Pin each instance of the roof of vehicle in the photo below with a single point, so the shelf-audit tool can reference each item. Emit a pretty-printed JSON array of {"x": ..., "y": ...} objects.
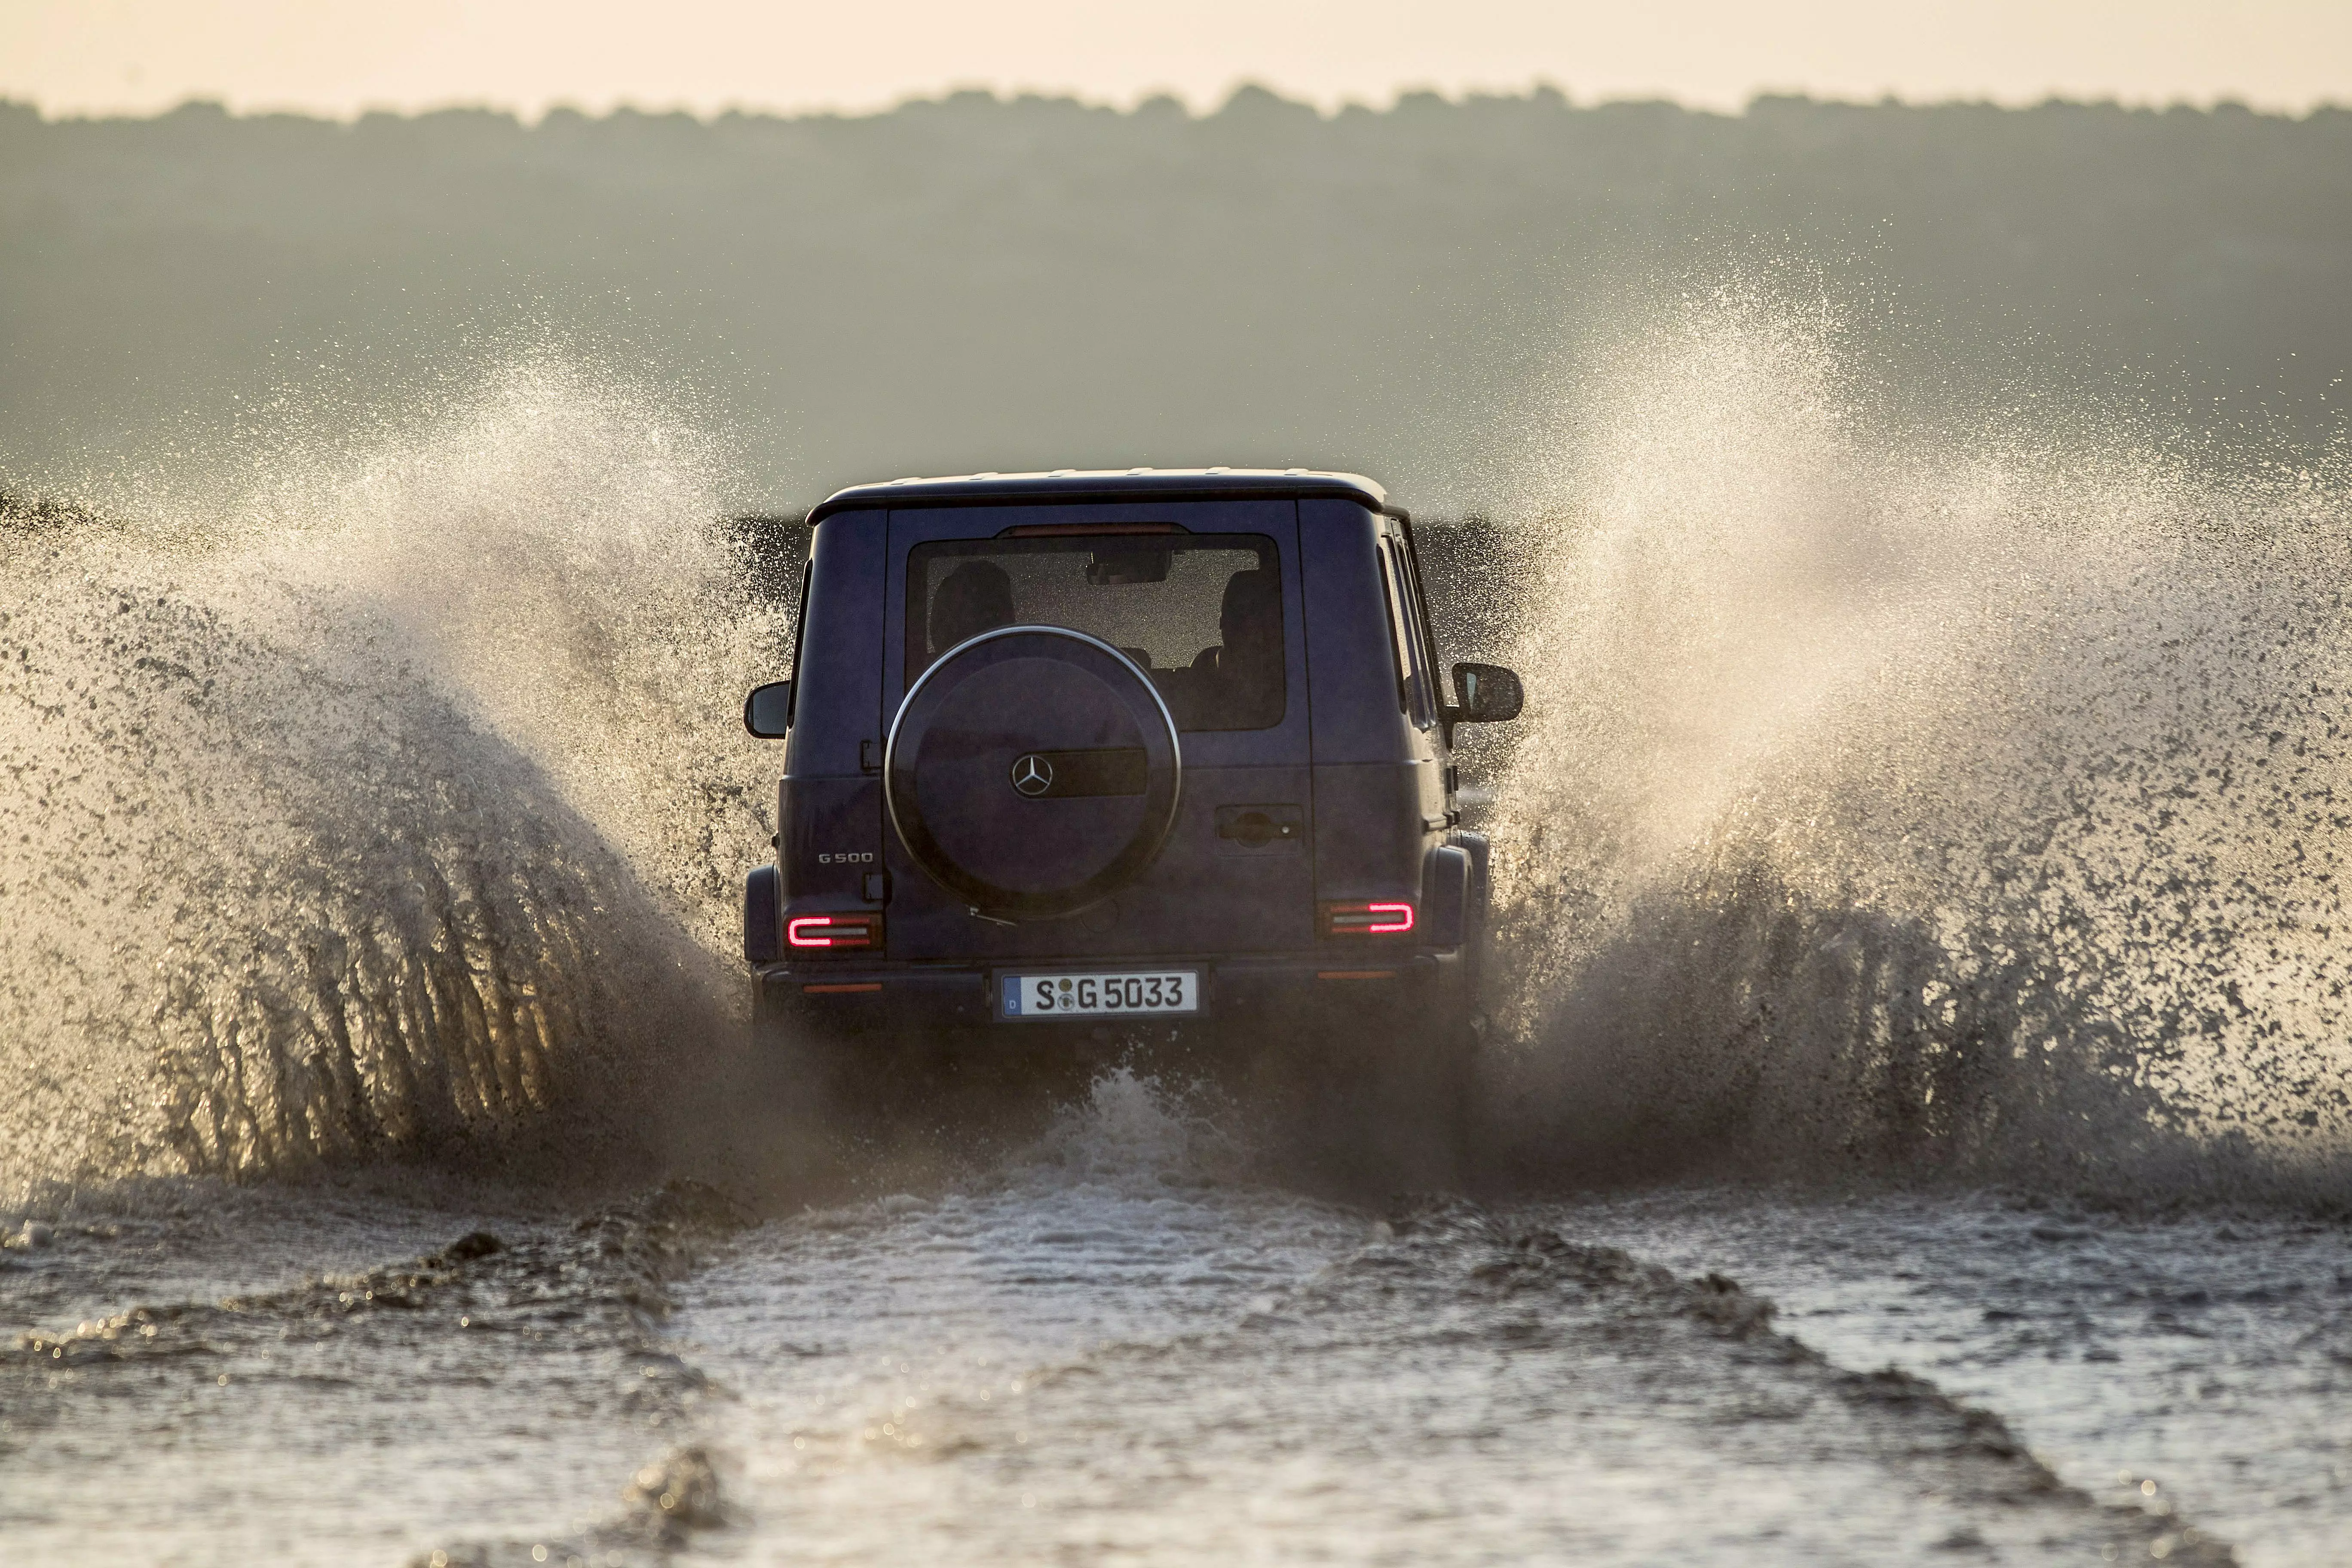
[{"x": 1109, "y": 485}]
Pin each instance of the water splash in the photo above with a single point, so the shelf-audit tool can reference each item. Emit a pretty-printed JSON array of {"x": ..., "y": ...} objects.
[
  {"x": 1890, "y": 800},
  {"x": 1134, "y": 1128},
  {"x": 1898, "y": 800},
  {"x": 546, "y": 550},
  {"x": 379, "y": 802}
]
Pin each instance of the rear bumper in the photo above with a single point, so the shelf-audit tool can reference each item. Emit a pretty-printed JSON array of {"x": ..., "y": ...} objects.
[{"x": 1234, "y": 990}]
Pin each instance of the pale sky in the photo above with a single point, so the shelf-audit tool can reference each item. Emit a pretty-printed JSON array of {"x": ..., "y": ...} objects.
[{"x": 340, "y": 57}]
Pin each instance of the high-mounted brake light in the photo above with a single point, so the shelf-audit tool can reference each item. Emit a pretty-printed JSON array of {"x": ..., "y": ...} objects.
[
  {"x": 1367, "y": 919},
  {"x": 806, "y": 932},
  {"x": 1064, "y": 530}
]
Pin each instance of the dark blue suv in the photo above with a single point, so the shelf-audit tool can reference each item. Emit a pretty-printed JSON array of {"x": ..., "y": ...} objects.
[{"x": 1086, "y": 748}]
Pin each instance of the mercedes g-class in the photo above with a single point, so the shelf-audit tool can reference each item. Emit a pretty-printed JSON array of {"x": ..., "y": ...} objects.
[{"x": 1081, "y": 748}]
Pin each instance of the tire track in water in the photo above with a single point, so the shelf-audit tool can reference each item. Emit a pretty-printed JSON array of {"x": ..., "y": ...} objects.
[
  {"x": 496, "y": 1379},
  {"x": 1121, "y": 1346},
  {"x": 1116, "y": 1342}
]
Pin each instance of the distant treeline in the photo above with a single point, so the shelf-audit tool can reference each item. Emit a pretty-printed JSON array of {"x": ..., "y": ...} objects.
[{"x": 988, "y": 284}]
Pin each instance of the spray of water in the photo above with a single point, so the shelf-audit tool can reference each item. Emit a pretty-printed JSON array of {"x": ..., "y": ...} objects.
[
  {"x": 1895, "y": 800},
  {"x": 383, "y": 800},
  {"x": 1889, "y": 800}
]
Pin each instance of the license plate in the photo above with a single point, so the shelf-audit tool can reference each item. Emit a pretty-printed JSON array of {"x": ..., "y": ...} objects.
[{"x": 1023, "y": 997}]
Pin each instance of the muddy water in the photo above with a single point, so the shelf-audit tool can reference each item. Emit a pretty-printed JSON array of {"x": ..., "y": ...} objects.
[
  {"x": 332, "y": 1378},
  {"x": 1111, "y": 1356},
  {"x": 2195, "y": 1366},
  {"x": 1912, "y": 1118},
  {"x": 1121, "y": 1341}
]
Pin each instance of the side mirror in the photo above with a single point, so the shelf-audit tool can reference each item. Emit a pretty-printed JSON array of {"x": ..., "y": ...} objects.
[
  {"x": 1486, "y": 694},
  {"x": 768, "y": 712}
]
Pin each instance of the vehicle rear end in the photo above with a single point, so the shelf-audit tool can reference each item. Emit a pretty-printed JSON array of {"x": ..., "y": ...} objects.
[{"x": 1068, "y": 759}]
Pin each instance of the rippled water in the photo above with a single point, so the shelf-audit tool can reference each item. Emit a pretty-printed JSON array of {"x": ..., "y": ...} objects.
[
  {"x": 1118, "y": 1342},
  {"x": 1921, "y": 916},
  {"x": 2191, "y": 1365},
  {"x": 325, "y": 1374}
]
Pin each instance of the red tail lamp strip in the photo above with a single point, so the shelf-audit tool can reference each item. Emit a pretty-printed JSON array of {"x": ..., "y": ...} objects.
[
  {"x": 859, "y": 987},
  {"x": 804, "y": 932},
  {"x": 1367, "y": 919}
]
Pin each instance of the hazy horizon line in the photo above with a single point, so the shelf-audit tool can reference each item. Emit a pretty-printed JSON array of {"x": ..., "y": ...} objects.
[{"x": 1162, "y": 102}]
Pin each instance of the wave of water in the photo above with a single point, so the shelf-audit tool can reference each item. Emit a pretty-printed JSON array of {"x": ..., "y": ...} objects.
[
  {"x": 381, "y": 800},
  {"x": 1893, "y": 800},
  {"x": 1888, "y": 800}
]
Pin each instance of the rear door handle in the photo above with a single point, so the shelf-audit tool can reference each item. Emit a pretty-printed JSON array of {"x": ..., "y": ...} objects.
[{"x": 1253, "y": 825}]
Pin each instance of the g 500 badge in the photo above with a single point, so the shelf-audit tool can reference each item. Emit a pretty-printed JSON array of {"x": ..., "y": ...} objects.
[{"x": 847, "y": 858}]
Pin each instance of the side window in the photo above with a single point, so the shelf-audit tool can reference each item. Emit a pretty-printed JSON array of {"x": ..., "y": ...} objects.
[
  {"x": 1425, "y": 635},
  {"x": 1412, "y": 675},
  {"x": 802, "y": 744},
  {"x": 800, "y": 632}
]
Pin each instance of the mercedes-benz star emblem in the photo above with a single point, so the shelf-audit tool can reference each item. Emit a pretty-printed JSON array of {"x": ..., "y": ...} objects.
[{"x": 1032, "y": 775}]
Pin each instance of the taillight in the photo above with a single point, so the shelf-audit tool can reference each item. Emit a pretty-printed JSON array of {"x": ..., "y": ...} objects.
[
  {"x": 804, "y": 932},
  {"x": 1367, "y": 919}
]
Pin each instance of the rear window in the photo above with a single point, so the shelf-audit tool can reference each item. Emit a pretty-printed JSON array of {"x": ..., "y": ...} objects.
[{"x": 1201, "y": 613}]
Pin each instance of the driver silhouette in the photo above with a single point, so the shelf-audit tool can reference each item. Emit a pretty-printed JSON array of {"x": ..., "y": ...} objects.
[
  {"x": 975, "y": 597},
  {"x": 1249, "y": 665}
]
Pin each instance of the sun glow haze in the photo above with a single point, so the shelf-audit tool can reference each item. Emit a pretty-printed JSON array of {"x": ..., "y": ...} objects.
[{"x": 344, "y": 57}]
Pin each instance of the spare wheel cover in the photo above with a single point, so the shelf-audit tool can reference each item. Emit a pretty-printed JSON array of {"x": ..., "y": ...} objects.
[{"x": 1032, "y": 771}]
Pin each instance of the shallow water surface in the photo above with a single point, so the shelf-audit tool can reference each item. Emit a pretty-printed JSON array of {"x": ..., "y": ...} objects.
[{"x": 1116, "y": 1342}]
